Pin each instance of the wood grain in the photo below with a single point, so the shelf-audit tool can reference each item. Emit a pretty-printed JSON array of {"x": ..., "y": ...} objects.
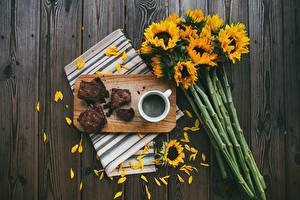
[{"x": 137, "y": 84}]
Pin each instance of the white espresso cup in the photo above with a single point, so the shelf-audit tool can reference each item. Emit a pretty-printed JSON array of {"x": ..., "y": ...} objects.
[{"x": 154, "y": 105}]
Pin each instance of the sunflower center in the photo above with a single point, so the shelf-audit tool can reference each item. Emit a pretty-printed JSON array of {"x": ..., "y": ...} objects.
[
  {"x": 182, "y": 27},
  {"x": 184, "y": 72},
  {"x": 199, "y": 50},
  {"x": 232, "y": 43},
  {"x": 173, "y": 153},
  {"x": 165, "y": 36}
]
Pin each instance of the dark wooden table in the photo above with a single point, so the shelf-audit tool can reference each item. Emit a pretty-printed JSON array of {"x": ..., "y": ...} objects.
[{"x": 38, "y": 38}]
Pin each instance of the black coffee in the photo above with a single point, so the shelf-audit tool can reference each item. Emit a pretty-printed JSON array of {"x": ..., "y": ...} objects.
[{"x": 153, "y": 105}]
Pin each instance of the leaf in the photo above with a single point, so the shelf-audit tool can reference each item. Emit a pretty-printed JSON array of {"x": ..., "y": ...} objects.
[
  {"x": 157, "y": 182},
  {"x": 118, "y": 67},
  {"x": 101, "y": 176},
  {"x": 180, "y": 178},
  {"x": 44, "y": 137},
  {"x": 79, "y": 63},
  {"x": 81, "y": 186},
  {"x": 188, "y": 113},
  {"x": 38, "y": 106},
  {"x": 190, "y": 180},
  {"x": 118, "y": 194},
  {"x": 203, "y": 156},
  {"x": 147, "y": 192},
  {"x": 144, "y": 178},
  {"x": 68, "y": 120},
  {"x": 58, "y": 96},
  {"x": 124, "y": 56},
  {"x": 74, "y": 148},
  {"x": 72, "y": 173},
  {"x": 185, "y": 137},
  {"x": 122, "y": 180}
]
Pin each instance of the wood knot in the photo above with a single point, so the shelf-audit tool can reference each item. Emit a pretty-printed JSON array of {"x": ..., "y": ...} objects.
[{"x": 8, "y": 71}]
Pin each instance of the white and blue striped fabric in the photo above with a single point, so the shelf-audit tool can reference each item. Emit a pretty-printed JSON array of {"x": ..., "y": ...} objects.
[{"x": 114, "y": 149}]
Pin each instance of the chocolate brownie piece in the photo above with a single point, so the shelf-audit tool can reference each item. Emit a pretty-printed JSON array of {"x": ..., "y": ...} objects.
[
  {"x": 92, "y": 119},
  {"x": 125, "y": 114},
  {"x": 120, "y": 97},
  {"x": 94, "y": 91}
]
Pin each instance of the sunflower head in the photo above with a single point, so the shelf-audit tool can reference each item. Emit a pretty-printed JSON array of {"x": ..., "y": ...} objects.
[
  {"x": 186, "y": 32},
  {"x": 234, "y": 41},
  {"x": 172, "y": 153},
  {"x": 201, "y": 52},
  {"x": 145, "y": 48},
  {"x": 214, "y": 22},
  {"x": 164, "y": 34},
  {"x": 195, "y": 16},
  {"x": 174, "y": 18},
  {"x": 185, "y": 73},
  {"x": 156, "y": 66}
]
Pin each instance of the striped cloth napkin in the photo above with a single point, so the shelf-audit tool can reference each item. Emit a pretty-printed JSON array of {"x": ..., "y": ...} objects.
[{"x": 114, "y": 149}]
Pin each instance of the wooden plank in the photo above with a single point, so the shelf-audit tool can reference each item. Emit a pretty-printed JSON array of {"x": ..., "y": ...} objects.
[
  {"x": 60, "y": 43},
  {"x": 267, "y": 87},
  {"x": 291, "y": 41},
  {"x": 99, "y": 19},
  {"x": 139, "y": 14},
  {"x": 138, "y": 85},
  {"x": 18, "y": 95}
]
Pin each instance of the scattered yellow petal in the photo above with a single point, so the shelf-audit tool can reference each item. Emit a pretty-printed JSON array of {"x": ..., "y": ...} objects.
[
  {"x": 58, "y": 96},
  {"x": 186, "y": 171},
  {"x": 125, "y": 67},
  {"x": 74, "y": 148},
  {"x": 204, "y": 164},
  {"x": 96, "y": 172},
  {"x": 141, "y": 135},
  {"x": 118, "y": 194},
  {"x": 197, "y": 123},
  {"x": 79, "y": 63},
  {"x": 122, "y": 180},
  {"x": 45, "y": 137},
  {"x": 188, "y": 113},
  {"x": 193, "y": 156},
  {"x": 112, "y": 51},
  {"x": 81, "y": 186},
  {"x": 190, "y": 180},
  {"x": 144, "y": 178},
  {"x": 111, "y": 178},
  {"x": 101, "y": 176},
  {"x": 120, "y": 166},
  {"x": 38, "y": 106},
  {"x": 118, "y": 67},
  {"x": 163, "y": 181},
  {"x": 193, "y": 150},
  {"x": 147, "y": 192},
  {"x": 157, "y": 182},
  {"x": 124, "y": 172},
  {"x": 180, "y": 178},
  {"x": 103, "y": 73},
  {"x": 186, "y": 128},
  {"x": 67, "y": 106},
  {"x": 97, "y": 157},
  {"x": 80, "y": 148},
  {"x": 187, "y": 147},
  {"x": 185, "y": 137},
  {"x": 68, "y": 120},
  {"x": 72, "y": 173},
  {"x": 194, "y": 129},
  {"x": 203, "y": 156},
  {"x": 124, "y": 56},
  {"x": 129, "y": 40}
]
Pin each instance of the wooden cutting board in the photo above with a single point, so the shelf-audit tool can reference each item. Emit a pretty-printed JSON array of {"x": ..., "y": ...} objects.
[{"x": 138, "y": 84}]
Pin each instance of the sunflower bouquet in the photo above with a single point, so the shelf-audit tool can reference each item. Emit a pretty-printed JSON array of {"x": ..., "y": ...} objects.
[{"x": 191, "y": 50}]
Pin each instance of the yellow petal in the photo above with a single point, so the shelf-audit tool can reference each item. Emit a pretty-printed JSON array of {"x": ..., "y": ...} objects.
[
  {"x": 111, "y": 178},
  {"x": 193, "y": 150},
  {"x": 124, "y": 56},
  {"x": 112, "y": 51},
  {"x": 187, "y": 147},
  {"x": 192, "y": 157},
  {"x": 157, "y": 182},
  {"x": 124, "y": 172},
  {"x": 74, "y": 148},
  {"x": 103, "y": 73},
  {"x": 80, "y": 149},
  {"x": 188, "y": 113},
  {"x": 163, "y": 181},
  {"x": 96, "y": 172},
  {"x": 81, "y": 186},
  {"x": 118, "y": 67},
  {"x": 186, "y": 128},
  {"x": 38, "y": 106},
  {"x": 125, "y": 67},
  {"x": 67, "y": 106},
  {"x": 197, "y": 123},
  {"x": 58, "y": 96},
  {"x": 122, "y": 180},
  {"x": 190, "y": 180},
  {"x": 101, "y": 176},
  {"x": 144, "y": 178},
  {"x": 185, "y": 137},
  {"x": 147, "y": 192},
  {"x": 180, "y": 178},
  {"x": 68, "y": 120},
  {"x": 72, "y": 173},
  {"x": 203, "y": 156},
  {"x": 79, "y": 63},
  {"x": 44, "y": 137},
  {"x": 120, "y": 166},
  {"x": 194, "y": 129},
  {"x": 118, "y": 194},
  {"x": 204, "y": 164}
]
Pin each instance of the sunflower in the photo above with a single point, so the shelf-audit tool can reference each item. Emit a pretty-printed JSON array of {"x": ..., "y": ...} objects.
[
  {"x": 234, "y": 41},
  {"x": 156, "y": 66},
  {"x": 214, "y": 22},
  {"x": 185, "y": 73},
  {"x": 172, "y": 153},
  {"x": 174, "y": 18},
  {"x": 145, "y": 48},
  {"x": 164, "y": 34},
  {"x": 186, "y": 32},
  {"x": 201, "y": 52},
  {"x": 196, "y": 16}
]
